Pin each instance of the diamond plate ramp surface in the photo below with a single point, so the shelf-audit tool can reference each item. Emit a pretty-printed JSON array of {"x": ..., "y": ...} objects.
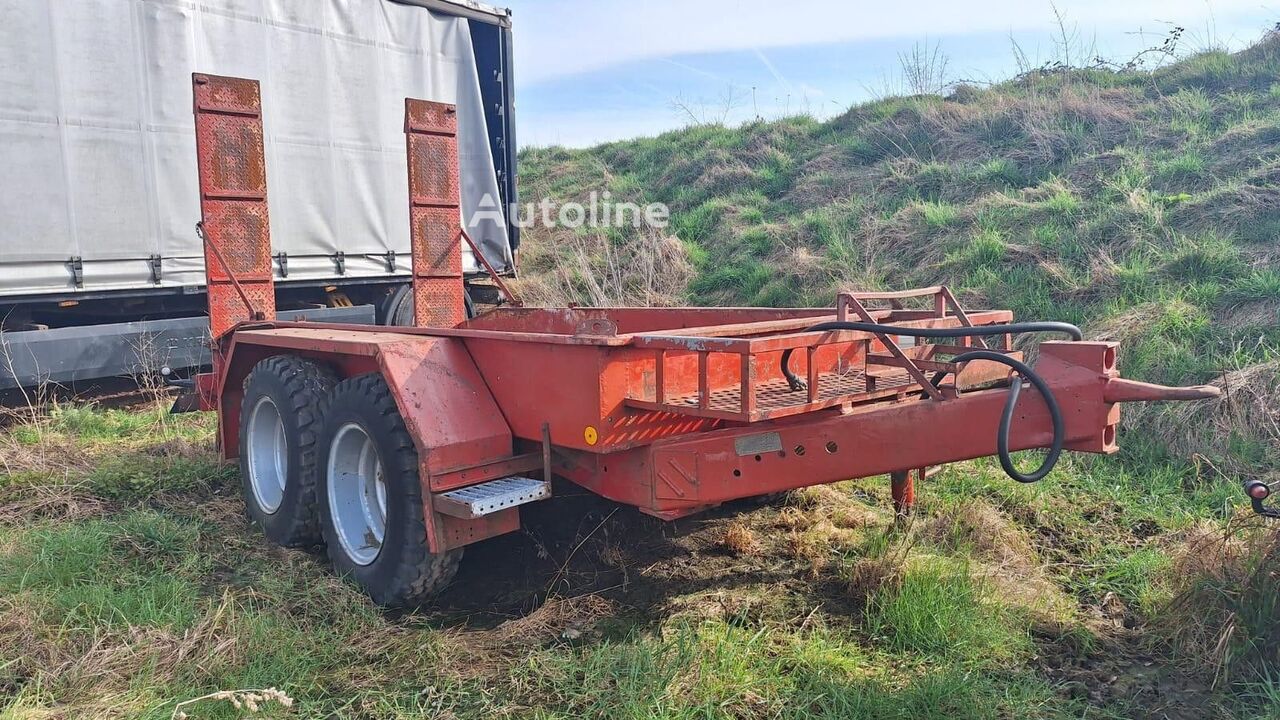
[
  {"x": 233, "y": 200},
  {"x": 431, "y": 133}
]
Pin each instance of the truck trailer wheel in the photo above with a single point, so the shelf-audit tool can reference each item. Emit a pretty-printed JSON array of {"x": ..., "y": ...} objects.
[
  {"x": 371, "y": 514},
  {"x": 279, "y": 427},
  {"x": 397, "y": 308}
]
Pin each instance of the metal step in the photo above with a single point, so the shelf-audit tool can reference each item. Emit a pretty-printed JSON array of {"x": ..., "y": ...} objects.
[{"x": 486, "y": 498}]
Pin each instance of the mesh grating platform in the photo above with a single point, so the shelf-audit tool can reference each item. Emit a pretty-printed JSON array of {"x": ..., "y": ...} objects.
[
  {"x": 490, "y": 497},
  {"x": 774, "y": 398}
]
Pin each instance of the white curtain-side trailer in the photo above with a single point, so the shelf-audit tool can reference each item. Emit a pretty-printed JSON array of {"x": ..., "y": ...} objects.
[{"x": 101, "y": 269}]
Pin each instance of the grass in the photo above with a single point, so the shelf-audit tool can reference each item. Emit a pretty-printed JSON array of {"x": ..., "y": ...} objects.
[
  {"x": 939, "y": 215},
  {"x": 125, "y": 603}
]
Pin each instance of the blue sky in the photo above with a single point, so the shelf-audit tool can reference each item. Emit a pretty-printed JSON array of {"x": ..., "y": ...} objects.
[{"x": 589, "y": 71}]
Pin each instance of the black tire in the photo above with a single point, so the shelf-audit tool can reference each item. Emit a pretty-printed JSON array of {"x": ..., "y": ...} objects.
[
  {"x": 404, "y": 572},
  {"x": 397, "y": 309},
  {"x": 298, "y": 389}
]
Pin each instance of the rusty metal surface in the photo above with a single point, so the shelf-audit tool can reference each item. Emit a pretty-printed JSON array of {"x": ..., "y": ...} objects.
[
  {"x": 748, "y": 341},
  {"x": 865, "y": 366},
  {"x": 902, "y": 485},
  {"x": 847, "y": 300},
  {"x": 774, "y": 399},
  {"x": 1122, "y": 390},
  {"x": 445, "y": 403},
  {"x": 233, "y": 200},
  {"x": 436, "y": 301},
  {"x": 431, "y": 134},
  {"x": 454, "y": 423},
  {"x": 673, "y": 436},
  {"x": 706, "y": 468}
]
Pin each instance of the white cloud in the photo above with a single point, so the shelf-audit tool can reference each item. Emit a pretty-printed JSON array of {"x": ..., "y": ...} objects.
[{"x": 556, "y": 38}]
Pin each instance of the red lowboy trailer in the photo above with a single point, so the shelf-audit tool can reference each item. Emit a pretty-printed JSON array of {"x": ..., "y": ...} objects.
[{"x": 397, "y": 448}]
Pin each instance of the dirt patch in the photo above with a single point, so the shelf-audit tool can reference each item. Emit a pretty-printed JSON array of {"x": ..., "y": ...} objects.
[
  {"x": 557, "y": 619},
  {"x": 1121, "y": 674},
  {"x": 579, "y": 544}
]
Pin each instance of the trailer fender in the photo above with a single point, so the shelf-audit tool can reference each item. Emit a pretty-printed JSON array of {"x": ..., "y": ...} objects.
[
  {"x": 455, "y": 423},
  {"x": 446, "y": 405}
]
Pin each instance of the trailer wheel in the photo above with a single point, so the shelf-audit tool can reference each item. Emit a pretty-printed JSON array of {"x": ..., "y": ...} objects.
[
  {"x": 371, "y": 516},
  {"x": 279, "y": 426},
  {"x": 397, "y": 309}
]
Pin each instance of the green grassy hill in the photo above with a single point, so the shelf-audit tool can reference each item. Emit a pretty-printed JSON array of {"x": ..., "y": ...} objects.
[{"x": 1142, "y": 206}]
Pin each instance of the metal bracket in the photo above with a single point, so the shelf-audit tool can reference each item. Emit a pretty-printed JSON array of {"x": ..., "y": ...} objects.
[
  {"x": 391, "y": 261},
  {"x": 77, "y": 270},
  {"x": 282, "y": 258},
  {"x": 156, "y": 261},
  {"x": 340, "y": 261},
  {"x": 596, "y": 327},
  {"x": 847, "y": 300}
]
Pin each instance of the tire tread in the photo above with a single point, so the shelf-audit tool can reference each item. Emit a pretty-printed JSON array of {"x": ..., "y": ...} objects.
[
  {"x": 308, "y": 385},
  {"x": 419, "y": 574}
]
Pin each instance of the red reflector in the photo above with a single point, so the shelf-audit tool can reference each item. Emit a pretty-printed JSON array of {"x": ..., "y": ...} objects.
[{"x": 1259, "y": 491}]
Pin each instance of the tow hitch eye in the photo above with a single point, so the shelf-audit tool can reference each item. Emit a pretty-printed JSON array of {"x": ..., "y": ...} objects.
[{"x": 1257, "y": 492}]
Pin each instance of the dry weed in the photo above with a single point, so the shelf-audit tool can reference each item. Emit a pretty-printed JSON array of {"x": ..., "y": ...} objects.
[
  {"x": 251, "y": 701},
  {"x": 556, "y": 619},
  {"x": 869, "y": 576},
  {"x": 61, "y": 502},
  {"x": 1246, "y": 408},
  {"x": 1222, "y": 617},
  {"x": 647, "y": 270},
  {"x": 740, "y": 540},
  {"x": 982, "y": 528},
  {"x": 50, "y": 453},
  {"x": 105, "y": 663}
]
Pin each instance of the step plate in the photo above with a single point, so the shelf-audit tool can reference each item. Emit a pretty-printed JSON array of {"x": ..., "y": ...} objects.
[{"x": 487, "y": 498}]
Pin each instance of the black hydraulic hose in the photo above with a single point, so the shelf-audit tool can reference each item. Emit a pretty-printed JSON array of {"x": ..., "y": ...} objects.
[
  {"x": 1006, "y": 417},
  {"x": 1021, "y": 368},
  {"x": 796, "y": 383}
]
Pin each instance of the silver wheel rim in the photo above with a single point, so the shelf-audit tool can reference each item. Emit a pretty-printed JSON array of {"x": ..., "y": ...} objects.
[
  {"x": 357, "y": 493},
  {"x": 268, "y": 455}
]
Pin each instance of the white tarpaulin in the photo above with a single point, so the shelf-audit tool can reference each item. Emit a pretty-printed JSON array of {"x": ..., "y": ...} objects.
[{"x": 97, "y": 148}]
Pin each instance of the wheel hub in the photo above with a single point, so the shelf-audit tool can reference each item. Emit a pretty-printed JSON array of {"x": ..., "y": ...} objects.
[
  {"x": 268, "y": 455},
  {"x": 357, "y": 493}
]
